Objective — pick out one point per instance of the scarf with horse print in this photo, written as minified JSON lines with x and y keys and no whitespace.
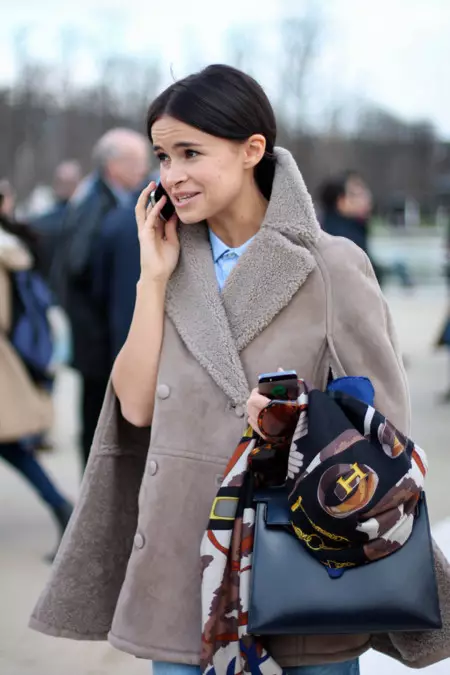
{"x":365,"y":497}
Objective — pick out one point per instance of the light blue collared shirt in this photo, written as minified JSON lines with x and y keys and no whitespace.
{"x":225,"y":258}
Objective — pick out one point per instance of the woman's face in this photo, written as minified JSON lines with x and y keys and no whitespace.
{"x":202,"y":174}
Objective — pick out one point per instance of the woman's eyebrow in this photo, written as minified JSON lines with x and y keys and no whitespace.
{"x":180,"y":144}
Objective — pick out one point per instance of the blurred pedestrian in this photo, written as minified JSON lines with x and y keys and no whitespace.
{"x":66,"y":179}
{"x":25,"y":402}
{"x":116,"y":265}
{"x":443,"y":339}
{"x":121,"y":158}
{"x":346,"y":202}
{"x":347,"y":205}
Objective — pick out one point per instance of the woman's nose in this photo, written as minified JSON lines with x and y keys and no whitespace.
{"x":174,"y":177}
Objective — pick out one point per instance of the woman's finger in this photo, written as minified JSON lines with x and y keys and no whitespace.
{"x":254,"y":425}
{"x":171,"y":229}
{"x":142,"y":202}
{"x":158,"y":229}
{"x":252,"y":420}
{"x":257,"y":401}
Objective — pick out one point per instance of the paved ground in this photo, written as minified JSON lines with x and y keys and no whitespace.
{"x":26,"y":532}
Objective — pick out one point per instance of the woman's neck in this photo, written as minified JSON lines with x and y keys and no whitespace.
{"x":242,"y":220}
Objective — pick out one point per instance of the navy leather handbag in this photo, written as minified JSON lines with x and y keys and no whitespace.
{"x":292,"y":592}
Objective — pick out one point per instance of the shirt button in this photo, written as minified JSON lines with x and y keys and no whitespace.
{"x":152,"y":467}
{"x":163,"y":391}
{"x":139,"y":540}
{"x":239,"y":411}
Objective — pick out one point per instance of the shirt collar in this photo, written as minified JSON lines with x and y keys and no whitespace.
{"x":217,"y":245}
{"x":219,"y":248}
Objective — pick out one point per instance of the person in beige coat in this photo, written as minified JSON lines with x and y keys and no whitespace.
{"x":25,"y":408}
{"x":240,"y":280}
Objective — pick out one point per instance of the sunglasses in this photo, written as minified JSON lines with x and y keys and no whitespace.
{"x":277,"y":421}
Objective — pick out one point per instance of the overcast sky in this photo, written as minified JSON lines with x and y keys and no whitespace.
{"x":394,"y":52}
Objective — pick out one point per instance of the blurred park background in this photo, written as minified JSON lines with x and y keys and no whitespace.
{"x":355,"y":85}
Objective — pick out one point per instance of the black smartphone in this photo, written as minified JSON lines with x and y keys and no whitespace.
{"x":281,"y":385}
{"x":168,"y":208}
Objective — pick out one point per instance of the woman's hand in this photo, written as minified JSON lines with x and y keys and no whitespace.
{"x":255,"y":404}
{"x":159,"y":243}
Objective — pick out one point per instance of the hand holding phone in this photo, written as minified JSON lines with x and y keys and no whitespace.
{"x":282,"y":385}
{"x":159,"y":243}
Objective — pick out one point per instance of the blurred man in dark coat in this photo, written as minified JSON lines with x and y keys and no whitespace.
{"x":116,"y":272}
{"x":121,"y":157}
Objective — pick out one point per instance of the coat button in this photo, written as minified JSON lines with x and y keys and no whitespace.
{"x":163,"y":391}
{"x":139,"y":540}
{"x":152,"y":467}
{"x":239,"y":410}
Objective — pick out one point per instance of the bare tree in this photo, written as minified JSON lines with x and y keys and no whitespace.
{"x":242,"y":48}
{"x":300,"y":42}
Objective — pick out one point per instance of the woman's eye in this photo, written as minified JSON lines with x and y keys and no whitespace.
{"x":190,"y":154}
{"x":162,"y":157}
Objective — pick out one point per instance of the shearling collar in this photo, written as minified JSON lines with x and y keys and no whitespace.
{"x":217,"y":327}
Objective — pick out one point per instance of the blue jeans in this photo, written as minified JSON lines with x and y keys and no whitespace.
{"x":25,"y":463}
{"x":346,"y":668}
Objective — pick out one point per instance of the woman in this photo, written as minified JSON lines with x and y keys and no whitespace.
{"x":239,"y":281}
{"x":26,"y":408}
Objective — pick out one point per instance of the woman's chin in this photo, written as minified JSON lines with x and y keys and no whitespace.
{"x":190,"y":218}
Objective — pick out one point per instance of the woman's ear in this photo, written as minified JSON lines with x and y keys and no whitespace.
{"x":255,"y":147}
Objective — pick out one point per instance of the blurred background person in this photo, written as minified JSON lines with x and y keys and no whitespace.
{"x":25,"y":403}
{"x":444,"y":341}
{"x":116,"y":265}
{"x":122,"y":163}
{"x":444,"y":333}
{"x":67,"y":177}
{"x":346,"y":204}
